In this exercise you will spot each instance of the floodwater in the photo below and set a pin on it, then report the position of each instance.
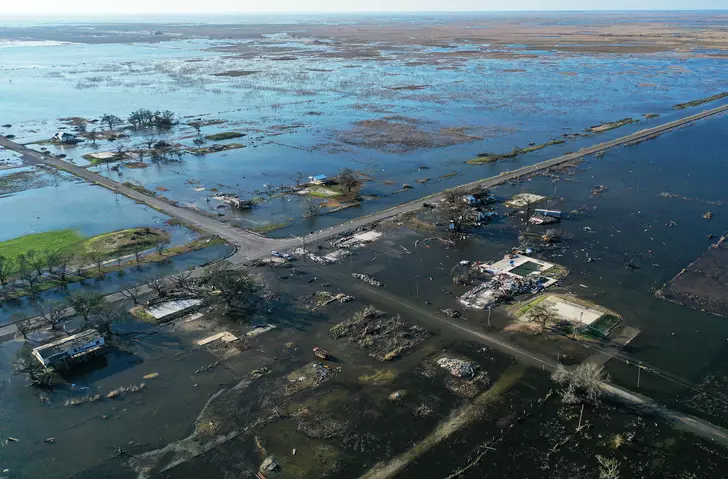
(632, 221)
(294, 111)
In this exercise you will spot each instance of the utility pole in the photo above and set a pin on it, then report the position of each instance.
(417, 285)
(488, 316)
(639, 370)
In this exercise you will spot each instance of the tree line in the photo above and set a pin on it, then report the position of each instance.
(31, 267)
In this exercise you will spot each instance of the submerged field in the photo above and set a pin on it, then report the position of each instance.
(413, 106)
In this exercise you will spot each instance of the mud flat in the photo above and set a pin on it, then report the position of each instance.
(703, 284)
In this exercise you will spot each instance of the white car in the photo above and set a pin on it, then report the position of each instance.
(276, 254)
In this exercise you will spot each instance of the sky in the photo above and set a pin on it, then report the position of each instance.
(125, 7)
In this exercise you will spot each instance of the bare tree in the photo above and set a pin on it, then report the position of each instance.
(37, 374)
(27, 274)
(183, 280)
(159, 286)
(35, 260)
(581, 384)
(132, 293)
(6, 268)
(311, 209)
(348, 178)
(298, 178)
(120, 151)
(63, 263)
(51, 313)
(55, 174)
(111, 120)
(542, 316)
(51, 258)
(141, 154)
(608, 468)
(105, 317)
(150, 141)
(162, 246)
(86, 304)
(96, 258)
(22, 322)
(93, 137)
(229, 289)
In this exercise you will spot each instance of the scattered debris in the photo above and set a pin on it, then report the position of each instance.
(708, 215)
(357, 240)
(118, 392)
(151, 376)
(450, 313)
(598, 190)
(458, 367)
(367, 279)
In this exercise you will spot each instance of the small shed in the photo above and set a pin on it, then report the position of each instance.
(70, 347)
(317, 179)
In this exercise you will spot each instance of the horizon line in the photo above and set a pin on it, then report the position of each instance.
(352, 12)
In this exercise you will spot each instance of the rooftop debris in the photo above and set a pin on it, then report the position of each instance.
(259, 330)
(357, 240)
(70, 347)
(224, 336)
(458, 367)
(385, 338)
(522, 200)
(233, 200)
(367, 279)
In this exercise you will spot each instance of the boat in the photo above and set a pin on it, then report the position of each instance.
(321, 353)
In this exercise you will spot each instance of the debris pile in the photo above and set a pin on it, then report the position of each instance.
(324, 298)
(458, 367)
(502, 287)
(385, 338)
(125, 389)
(270, 465)
(367, 279)
(598, 190)
(319, 426)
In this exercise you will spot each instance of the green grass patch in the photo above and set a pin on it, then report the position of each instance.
(326, 192)
(611, 125)
(141, 189)
(264, 229)
(378, 378)
(719, 96)
(227, 135)
(51, 240)
(490, 158)
(535, 302)
(216, 148)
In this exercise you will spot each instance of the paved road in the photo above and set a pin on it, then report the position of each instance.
(252, 246)
(248, 243)
(432, 319)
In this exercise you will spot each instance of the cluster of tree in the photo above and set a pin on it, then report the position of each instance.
(144, 118)
(33, 265)
(231, 291)
(141, 118)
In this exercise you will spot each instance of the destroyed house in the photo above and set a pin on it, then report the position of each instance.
(70, 347)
